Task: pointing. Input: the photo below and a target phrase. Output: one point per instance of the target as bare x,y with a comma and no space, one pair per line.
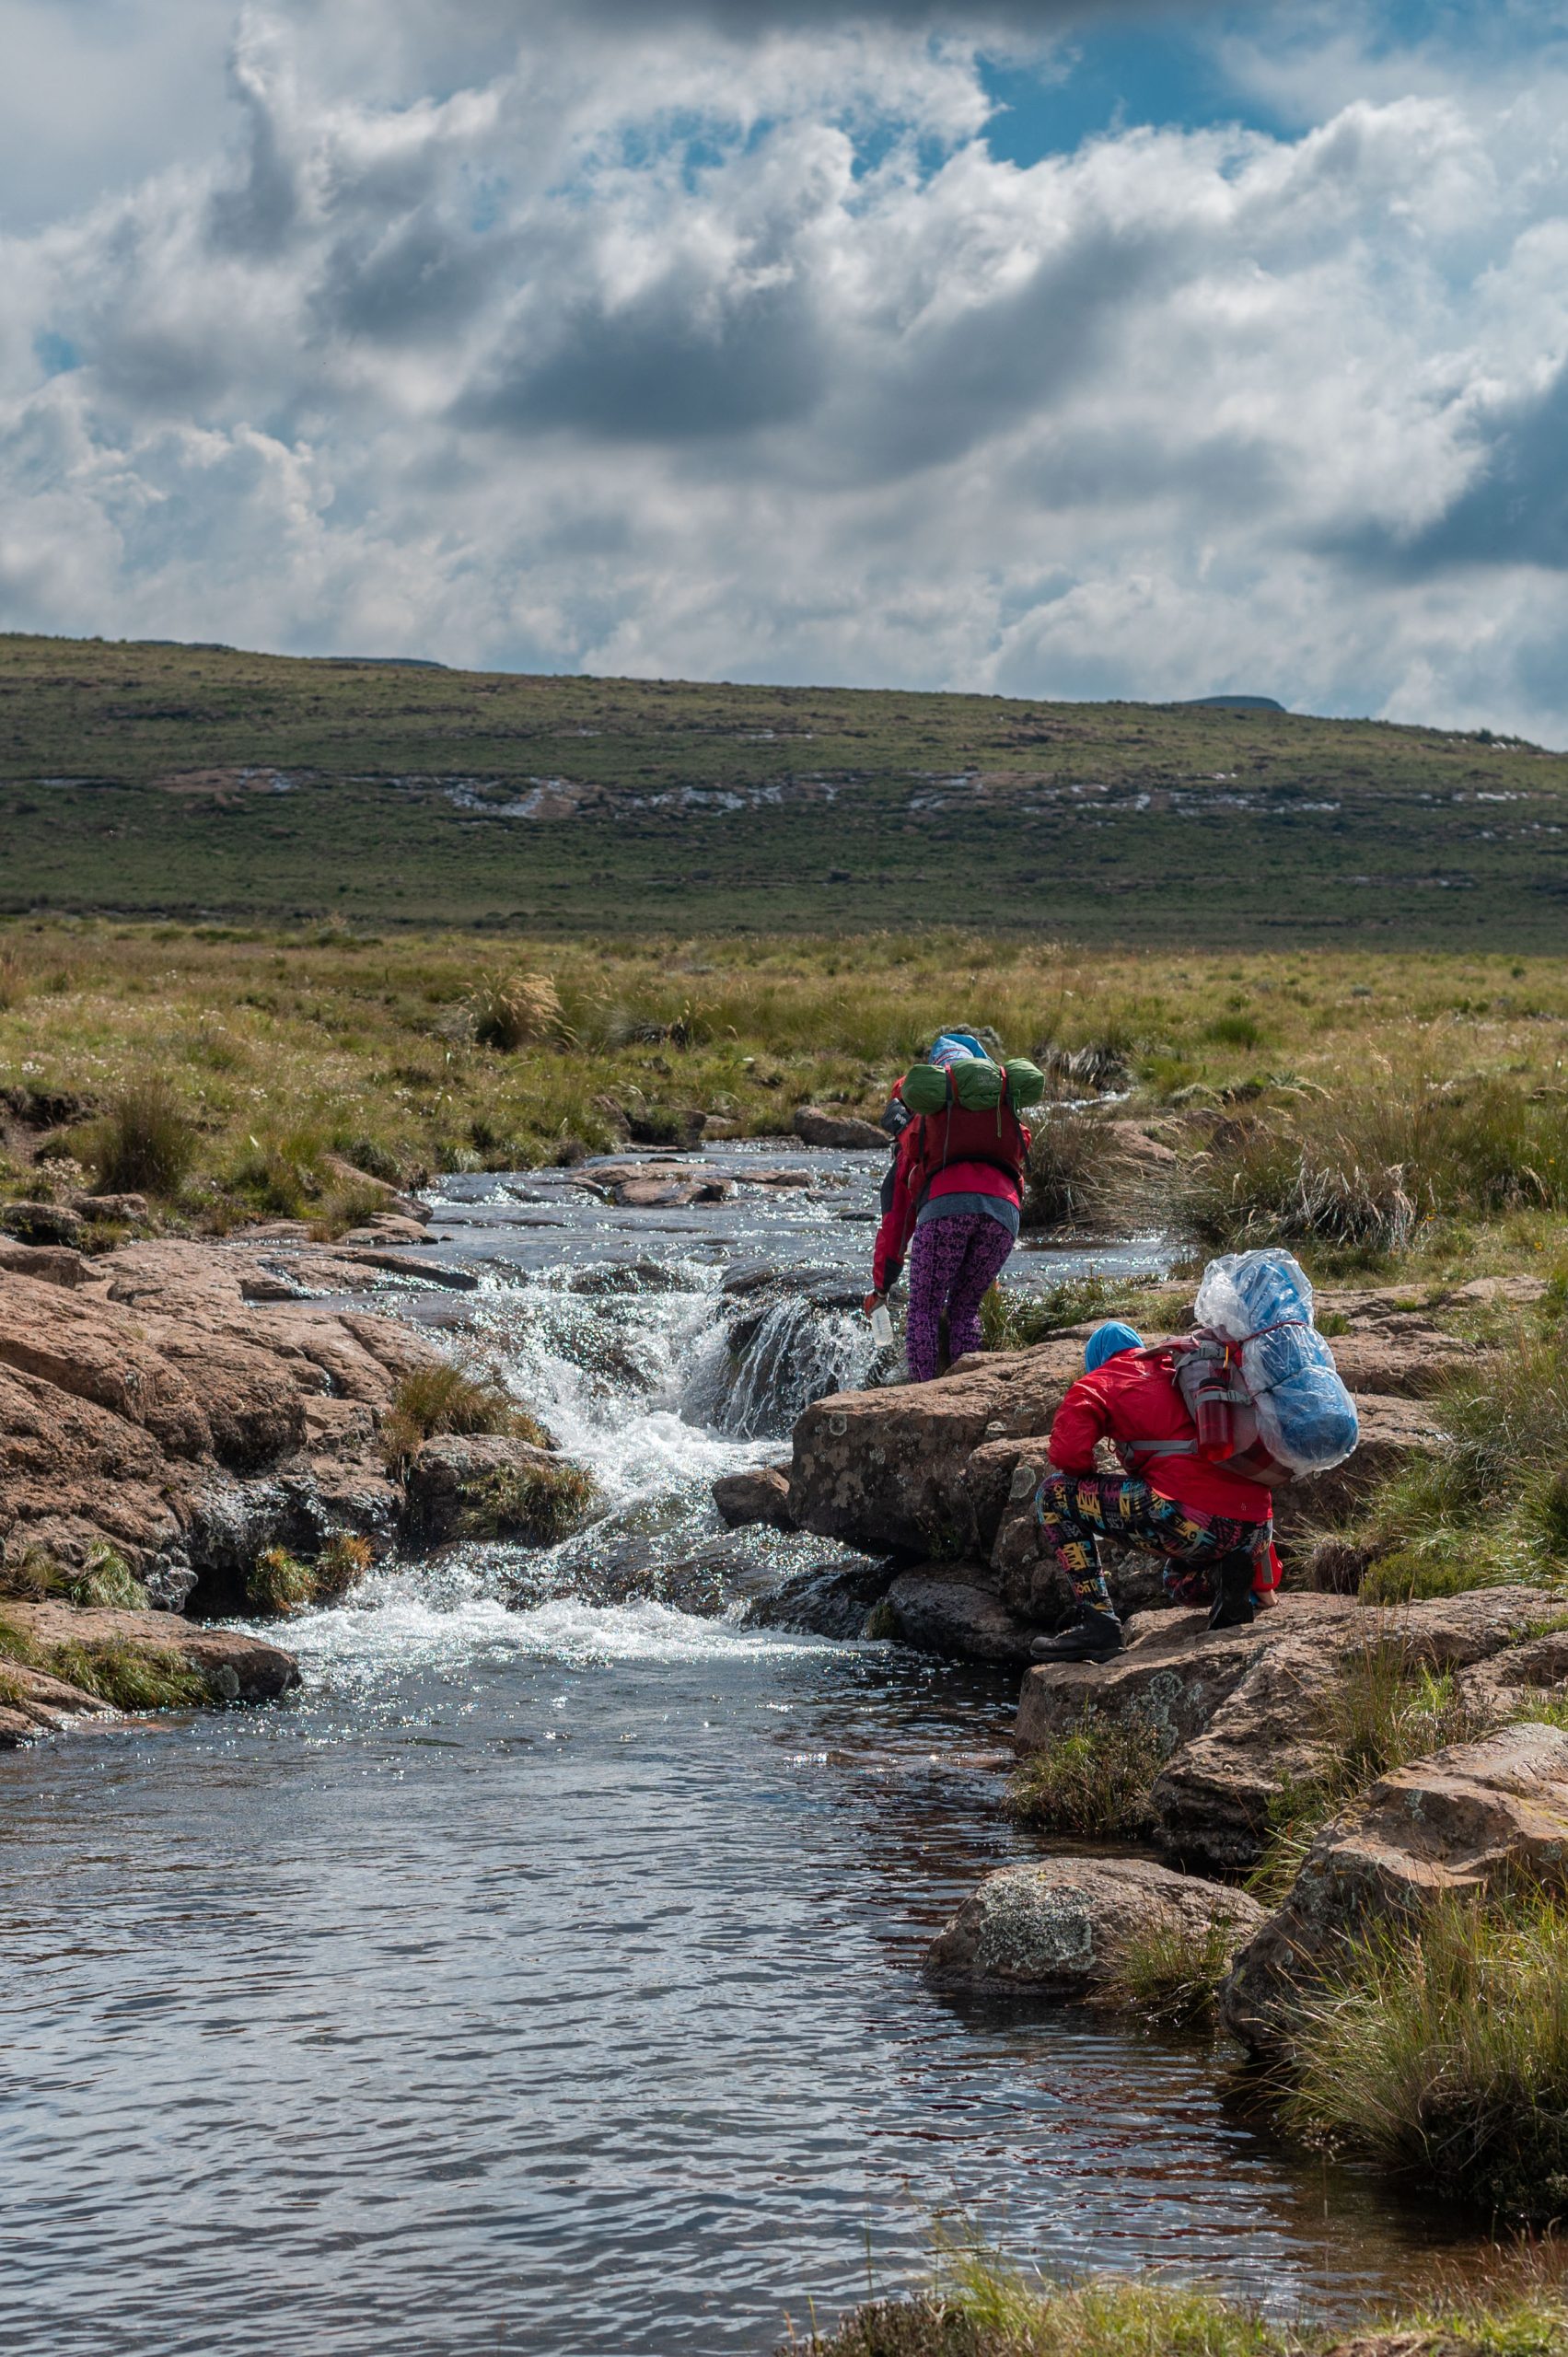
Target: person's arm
1082,1419
898,1217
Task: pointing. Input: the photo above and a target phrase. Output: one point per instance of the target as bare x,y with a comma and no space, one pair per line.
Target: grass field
152,780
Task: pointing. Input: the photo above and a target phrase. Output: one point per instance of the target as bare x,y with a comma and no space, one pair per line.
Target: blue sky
1051,349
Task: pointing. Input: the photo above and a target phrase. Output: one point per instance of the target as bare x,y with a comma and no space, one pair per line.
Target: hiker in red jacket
1214,1526
952,1201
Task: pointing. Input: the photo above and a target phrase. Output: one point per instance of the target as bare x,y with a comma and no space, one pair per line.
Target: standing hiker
952,1197
1214,1526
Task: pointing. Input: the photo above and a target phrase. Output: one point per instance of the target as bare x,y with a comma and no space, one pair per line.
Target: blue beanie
1108,1341
951,1048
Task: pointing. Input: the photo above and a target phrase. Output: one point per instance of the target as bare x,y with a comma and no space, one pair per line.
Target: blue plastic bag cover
1306,1416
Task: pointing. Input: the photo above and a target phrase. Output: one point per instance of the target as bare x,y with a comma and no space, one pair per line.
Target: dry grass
146,1143
1173,1976
538,1504
513,1010
444,1398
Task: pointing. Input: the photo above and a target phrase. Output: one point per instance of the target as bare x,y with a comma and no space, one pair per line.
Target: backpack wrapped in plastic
1262,1300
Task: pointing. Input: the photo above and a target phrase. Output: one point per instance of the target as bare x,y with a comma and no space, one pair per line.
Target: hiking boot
1094,1636
1235,1606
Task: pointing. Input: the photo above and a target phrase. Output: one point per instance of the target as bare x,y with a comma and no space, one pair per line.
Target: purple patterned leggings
952,1260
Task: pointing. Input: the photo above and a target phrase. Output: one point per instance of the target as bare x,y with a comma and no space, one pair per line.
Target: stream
544,1977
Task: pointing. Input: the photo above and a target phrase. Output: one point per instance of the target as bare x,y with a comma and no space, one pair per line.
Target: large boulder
485,1484
885,1470
1060,1929
813,1127
1478,1817
232,1666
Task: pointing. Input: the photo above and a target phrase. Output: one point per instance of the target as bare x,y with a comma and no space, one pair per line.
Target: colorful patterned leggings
952,1262
1073,1509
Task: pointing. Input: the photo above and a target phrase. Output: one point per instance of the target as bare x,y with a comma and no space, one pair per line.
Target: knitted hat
1108,1341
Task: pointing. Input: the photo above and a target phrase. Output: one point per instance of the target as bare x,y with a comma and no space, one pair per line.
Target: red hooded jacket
1130,1399
954,1152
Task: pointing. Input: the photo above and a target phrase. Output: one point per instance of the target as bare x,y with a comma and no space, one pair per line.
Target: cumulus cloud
749,357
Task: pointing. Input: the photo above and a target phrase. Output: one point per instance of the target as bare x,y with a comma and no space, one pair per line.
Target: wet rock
33,1703
832,1599
457,1481
1174,1673
612,1279
953,1610
656,1186
1475,1818
814,1127
760,1495
41,1224
1211,1800
1061,1929
129,1208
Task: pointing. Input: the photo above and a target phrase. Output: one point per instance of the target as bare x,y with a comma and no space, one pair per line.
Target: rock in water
813,1127
1471,1818
759,1495
1061,1929
953,1610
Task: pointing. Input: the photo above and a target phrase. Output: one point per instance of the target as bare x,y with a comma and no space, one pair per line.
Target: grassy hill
191,782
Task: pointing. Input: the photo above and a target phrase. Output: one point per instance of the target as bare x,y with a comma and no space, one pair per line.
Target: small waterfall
797,1351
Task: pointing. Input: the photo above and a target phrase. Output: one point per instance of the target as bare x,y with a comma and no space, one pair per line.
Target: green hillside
201,781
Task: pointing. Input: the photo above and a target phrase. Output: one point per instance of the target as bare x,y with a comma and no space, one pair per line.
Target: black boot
1094,1636
1234,1605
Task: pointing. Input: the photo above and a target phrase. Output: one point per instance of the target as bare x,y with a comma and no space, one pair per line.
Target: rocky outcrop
1174,1675
148,1400
760,1494
466,1485
1477,1816
1213,1800
814,1127
1061,1929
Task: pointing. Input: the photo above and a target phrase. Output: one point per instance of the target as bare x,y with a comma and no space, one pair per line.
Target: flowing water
544,1977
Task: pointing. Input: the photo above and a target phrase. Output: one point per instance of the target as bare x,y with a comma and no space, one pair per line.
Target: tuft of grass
541,1504
341,1564
1442,2053
1074,1177
17,1645
13,981
278,1582
106,1578
1094,1780
130,1677
444,1398
145,1143
1386,1708
1011,1320
1173,1976
979,2307
512,1011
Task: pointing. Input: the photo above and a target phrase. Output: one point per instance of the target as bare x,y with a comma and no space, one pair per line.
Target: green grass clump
1491,1504
278,1582
978,2306
445,1399
541,1504
145,1143
1092,1781
1442,2053
1075,1174
130,1677
1173,1976
342,1564
107,1579
1011,1320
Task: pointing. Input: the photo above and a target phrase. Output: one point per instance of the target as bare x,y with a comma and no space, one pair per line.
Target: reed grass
1171,1975
445,1398
146,1143
1442,2054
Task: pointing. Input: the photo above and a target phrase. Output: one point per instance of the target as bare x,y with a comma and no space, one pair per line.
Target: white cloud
688,355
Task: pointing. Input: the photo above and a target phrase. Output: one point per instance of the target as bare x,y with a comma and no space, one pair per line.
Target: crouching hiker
1214,1526
952,1197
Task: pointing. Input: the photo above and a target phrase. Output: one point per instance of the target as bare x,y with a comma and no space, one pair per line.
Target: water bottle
881,1326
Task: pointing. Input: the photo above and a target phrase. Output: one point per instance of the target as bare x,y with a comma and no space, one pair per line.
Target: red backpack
993,1135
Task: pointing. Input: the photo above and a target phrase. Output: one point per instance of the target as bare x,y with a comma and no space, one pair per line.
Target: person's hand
872,1303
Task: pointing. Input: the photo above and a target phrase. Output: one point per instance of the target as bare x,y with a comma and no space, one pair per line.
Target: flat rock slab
815,1127
1473,1817
1173,1676
1060,1929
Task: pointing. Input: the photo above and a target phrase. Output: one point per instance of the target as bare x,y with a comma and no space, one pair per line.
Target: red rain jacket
1131,1399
